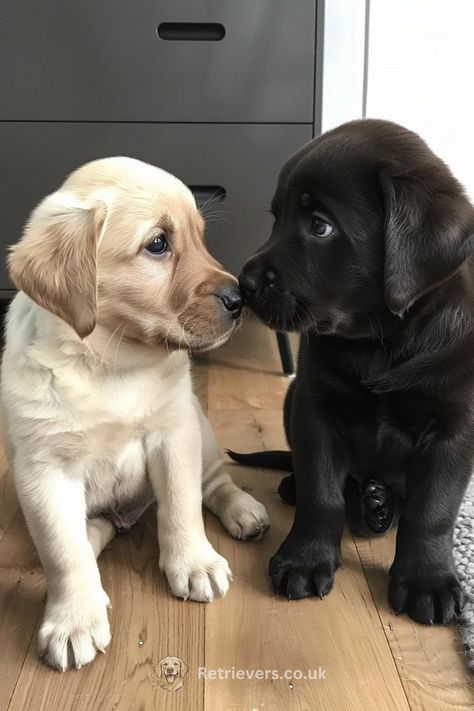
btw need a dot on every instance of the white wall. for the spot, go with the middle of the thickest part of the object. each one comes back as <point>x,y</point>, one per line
<point>343,62</point>
<point>421,74</point>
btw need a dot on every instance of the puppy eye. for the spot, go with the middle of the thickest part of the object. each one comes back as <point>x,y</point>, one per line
<point>320,227</point>
<point>157,246</point>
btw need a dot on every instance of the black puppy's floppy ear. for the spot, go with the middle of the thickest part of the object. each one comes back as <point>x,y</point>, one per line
<point>429,232</point>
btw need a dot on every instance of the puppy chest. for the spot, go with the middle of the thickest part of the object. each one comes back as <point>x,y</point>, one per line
<point>114,470</point>
<point>395,426</point>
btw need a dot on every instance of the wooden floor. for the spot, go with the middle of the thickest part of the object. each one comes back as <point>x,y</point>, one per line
<point>370,658</point>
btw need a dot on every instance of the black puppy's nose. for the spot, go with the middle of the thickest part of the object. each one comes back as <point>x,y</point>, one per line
<point>248,282</point>
<point>230,297</point>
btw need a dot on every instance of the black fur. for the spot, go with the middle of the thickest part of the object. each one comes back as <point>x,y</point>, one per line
<point>385,379</point>
<point>270,459</point>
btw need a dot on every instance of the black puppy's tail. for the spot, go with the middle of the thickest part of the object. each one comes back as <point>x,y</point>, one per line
<point>276,459</point>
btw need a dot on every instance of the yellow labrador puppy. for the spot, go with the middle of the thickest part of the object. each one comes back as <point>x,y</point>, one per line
<point>115,284</point>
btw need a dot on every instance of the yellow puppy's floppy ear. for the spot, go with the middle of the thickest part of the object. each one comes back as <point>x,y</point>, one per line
<point>55,262</point>
<point>182,667</point>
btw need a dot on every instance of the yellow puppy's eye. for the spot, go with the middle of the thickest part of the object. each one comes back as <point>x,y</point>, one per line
<point>157,246</point>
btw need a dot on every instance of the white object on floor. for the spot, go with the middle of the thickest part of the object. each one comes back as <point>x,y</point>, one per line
<point>464,557</point>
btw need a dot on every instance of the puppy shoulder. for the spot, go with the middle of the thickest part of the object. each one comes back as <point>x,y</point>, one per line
<point>20,324</point>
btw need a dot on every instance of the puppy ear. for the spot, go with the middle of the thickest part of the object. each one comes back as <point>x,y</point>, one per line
<point>55,262</point>
<point>429,232</point>
<point>159,670</point>
<point>182,667</point>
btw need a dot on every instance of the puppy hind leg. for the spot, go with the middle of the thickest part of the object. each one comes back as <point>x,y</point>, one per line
<point>100,532</point>
<point>242,515</point>
<point>371,507</point>
<point>378,505</point>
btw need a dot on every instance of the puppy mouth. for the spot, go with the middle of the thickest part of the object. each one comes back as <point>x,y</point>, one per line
<point>277,310</point>
<point>204,345</point>
<point>284,312</point>
<point>280,311</point>
<point>208,324</point>
<point>196,342</point>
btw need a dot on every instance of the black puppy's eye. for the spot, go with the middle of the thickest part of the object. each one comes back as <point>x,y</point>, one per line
<point>157,246</point>
<point>320,227</point>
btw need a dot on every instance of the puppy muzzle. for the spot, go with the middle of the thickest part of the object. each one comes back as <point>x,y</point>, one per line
<point>265,296</point>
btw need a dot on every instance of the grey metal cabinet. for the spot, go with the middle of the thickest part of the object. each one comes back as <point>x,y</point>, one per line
<point>219,92</point>
<point>240,159</point>
<point>104,60</point>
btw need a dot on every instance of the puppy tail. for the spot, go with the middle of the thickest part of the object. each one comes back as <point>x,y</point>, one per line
<point>276,459</point>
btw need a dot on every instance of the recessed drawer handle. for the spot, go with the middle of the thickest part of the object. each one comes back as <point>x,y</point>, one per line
<point>204,194</point>
<point>191,31</point>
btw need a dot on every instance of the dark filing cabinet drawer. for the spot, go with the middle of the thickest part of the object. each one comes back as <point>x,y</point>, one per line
<point>157,60</point>
<point>237,163</point>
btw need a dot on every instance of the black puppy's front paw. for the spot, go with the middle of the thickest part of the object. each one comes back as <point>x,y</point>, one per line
<point>303,568</point>
<point>427,597</point>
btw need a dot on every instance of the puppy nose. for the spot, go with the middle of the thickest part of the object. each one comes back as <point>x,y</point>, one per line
<point>230,297</point>
<point>248,282</point>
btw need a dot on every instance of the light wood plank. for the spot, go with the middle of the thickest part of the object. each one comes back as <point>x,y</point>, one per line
<point>429,659</point>
<point>374,660</point>
<point>22,590</point>
<point>147,625</point>
<point>248,373</point>
<point>253,629</point>
<point>21,603</point>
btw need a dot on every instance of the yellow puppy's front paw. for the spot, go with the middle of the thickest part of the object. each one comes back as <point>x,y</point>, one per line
<point>200,575</point>
<point>74,630</point>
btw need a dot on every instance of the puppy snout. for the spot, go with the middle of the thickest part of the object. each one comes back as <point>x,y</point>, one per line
<point>248,282</point>
<point>231,299</point>
<point>252,280</point>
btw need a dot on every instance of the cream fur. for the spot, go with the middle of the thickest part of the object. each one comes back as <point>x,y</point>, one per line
<point>110,419</point>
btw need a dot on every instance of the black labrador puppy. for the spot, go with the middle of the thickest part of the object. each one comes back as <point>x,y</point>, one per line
<point>370,258</point>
